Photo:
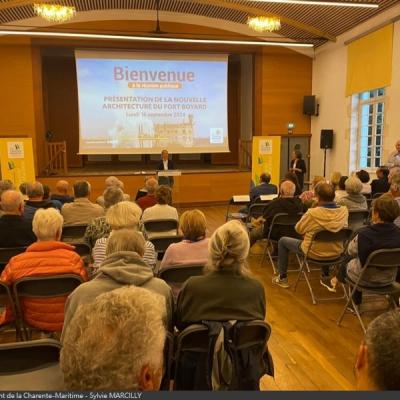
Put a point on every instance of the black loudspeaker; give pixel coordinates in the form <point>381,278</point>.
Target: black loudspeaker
<point>326,139</point>
<point>309,105</point>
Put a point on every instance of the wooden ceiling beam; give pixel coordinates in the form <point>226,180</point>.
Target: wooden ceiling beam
<point>251,10</point>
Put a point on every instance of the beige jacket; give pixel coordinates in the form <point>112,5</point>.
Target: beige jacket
<point>318,218</point>
<point>82,211</point>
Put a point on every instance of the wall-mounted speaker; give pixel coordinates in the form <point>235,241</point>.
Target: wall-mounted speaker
<point>309,105</point>
<point>326,139</point>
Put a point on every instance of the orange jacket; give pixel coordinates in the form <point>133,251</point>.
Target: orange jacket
<point>40,259</point>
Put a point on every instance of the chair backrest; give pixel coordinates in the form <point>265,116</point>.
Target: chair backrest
<point>377,195</point>
<point>168,361</point>
<point>180,273</point>
<point>327,236</point>
<point>284,219</point>
<point>256,210</point>
<point>8,252</point>
<point>82,249</point>
<point>46,286</point>
<point>384,258</point>
<point>71,232</point>
<point>358,218</point>
<point>161,243</point>
<point>28,356</point>
<point>160,225</point>
<point>6,298</point>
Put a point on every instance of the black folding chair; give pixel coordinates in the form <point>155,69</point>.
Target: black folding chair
<point>379,259</point>
<point>82,249</point>
<point>168,361</point>
<point>31,365</point>
<point>323,236</point>
<point>6,300</point>
<point>358,219</point>
<point>8,252</point>
<point>233,201</point>
<point>161,243</point>
<point>256,210</point>
<point>279,220</point>
<point>73,233</point>
<point>377,195</point>
<point>158,227</point>
<point>42,287</point>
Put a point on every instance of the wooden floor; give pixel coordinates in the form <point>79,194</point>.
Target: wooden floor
<point>310,351</point>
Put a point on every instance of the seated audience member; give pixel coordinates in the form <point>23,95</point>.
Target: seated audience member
<point>48,256</point>
<point>341,190</point>
<point>46,196</point>
<point>377,364</point>
<point>292,177</point>
<point>150,199</point>
<point>285,203</point>
<point>308,197</point>
<point>194,247</point>
<point>395,193</point>
<point>382,234</point>
<point>381,184</point>
<point>115,342</point>
<point>226,291</point>
<point>23,188</point>
<point>265,187</point>
<point>161,210</point>
<point>4,186</point>
<point>99,227</point>
<point>81,211</point>
<point>335,179</point>
<point>354,199</point>
<point>123,266</point>
<point>143,191</point>
<point>123,215</point>
<point>393,172</point>
<point>363,176</point>
<point>61,194</point>
<point>15,230</point>
<point>112,181</point>
<point>326,215</point>
<point>35,200</point>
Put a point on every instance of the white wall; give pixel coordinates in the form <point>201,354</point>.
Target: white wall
<point>329,82</point>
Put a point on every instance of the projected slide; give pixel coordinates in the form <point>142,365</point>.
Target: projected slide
<point>140,103</point>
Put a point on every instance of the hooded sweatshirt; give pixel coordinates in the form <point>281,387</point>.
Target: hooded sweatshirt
<point>329,217</point>
<point>117,270</point>
<point>354,202</point>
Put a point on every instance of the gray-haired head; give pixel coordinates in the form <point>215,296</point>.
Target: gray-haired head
<point>287,189</point>
<point>353,185</point>
<point>382,341</point>
<point>124,214</point>
<point>35,190</point>
<point>112,195</point>
<point>151,185</point>
<point>115,342</point>
<point>228,248</point>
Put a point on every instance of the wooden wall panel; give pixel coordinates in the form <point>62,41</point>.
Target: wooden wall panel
<point>282,78</point>
<point>190,189</point>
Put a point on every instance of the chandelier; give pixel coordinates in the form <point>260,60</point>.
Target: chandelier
<point>264,24</point>
<point>54,12</point>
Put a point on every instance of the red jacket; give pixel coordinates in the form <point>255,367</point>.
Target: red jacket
<point>41,259</point>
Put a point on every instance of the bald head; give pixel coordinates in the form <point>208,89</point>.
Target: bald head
<point>151,185</point>
<point>62,187</point>
<point>288,189</point>
<point>12,202</point>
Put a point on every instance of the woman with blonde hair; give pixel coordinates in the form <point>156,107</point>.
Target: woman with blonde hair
<point>193,249</point>
<point>335,178</point>
<point>226,291</point>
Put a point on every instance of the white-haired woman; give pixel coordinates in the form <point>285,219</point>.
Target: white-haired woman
<point>48,256</point>
<point>123,215</point>
<point>354,199</point>
<point>226,291</point>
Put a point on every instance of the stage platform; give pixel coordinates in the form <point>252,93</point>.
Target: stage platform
<point>196,186</point>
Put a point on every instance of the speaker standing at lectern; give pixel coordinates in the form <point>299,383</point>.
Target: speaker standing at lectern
<point>164,165</point>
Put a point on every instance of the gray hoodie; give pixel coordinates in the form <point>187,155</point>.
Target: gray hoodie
<point>117,270</point>
<point>354,202</point>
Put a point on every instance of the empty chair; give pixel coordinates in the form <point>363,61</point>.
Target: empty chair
<point>379,259</point>
<point>30,365</point>
<point>38,288</point>
<point>73,233</point>
<point>237,200</point>
<point>160,227</point>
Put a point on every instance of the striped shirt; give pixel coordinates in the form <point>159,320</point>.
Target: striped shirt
<point>99,253</point>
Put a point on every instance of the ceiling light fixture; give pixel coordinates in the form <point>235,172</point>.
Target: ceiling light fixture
<point>264,24</point>
<point>95,36</point>
<point>321,3</point>
<point>54,12</point>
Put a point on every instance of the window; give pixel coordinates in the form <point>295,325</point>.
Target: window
<point>369,110</point>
